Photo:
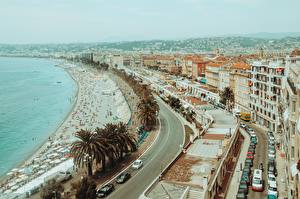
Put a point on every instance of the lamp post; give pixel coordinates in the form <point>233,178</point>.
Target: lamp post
<point>88,160</point>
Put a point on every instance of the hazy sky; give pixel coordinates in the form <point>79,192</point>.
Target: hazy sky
<point>60,21</point>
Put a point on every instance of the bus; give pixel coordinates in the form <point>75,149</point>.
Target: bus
<point>245,116</point>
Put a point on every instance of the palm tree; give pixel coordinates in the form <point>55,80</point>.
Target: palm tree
<point>148,109</point>
<point>88,148</point>
<point>227,96</point>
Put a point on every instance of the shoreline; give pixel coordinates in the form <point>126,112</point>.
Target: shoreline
<point>87,103</point>
<point>37,150</point>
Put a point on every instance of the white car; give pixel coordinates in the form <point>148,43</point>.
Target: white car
<point>271,155</point>
<point>137,164</point>
<point>272,189</point>
<point>271,179</point>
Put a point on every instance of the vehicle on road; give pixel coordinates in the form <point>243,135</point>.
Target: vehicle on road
<point>123,177</point>
<point>137,164</point>
<point>257,182</point>
<point>105,190</point>
<point>245,116</point>
<point>243,186</point>
<point>271,155</point>
<point>243,125</point>
<point>272,189</point>
<point>272,169</point>
<point>254,140</point>
<point>271,178</point>
<point>257,185</point>
<point>241,195</point>
<point>249,161</point>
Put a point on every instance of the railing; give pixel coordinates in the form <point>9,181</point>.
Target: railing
<point>292,85</point>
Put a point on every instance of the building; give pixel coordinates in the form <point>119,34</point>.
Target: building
<point>116,60</point>
<point>267,77</point>
<point>291,124</point>
<point>224,78</point>
<point>194,66</point>
<point>239,82</point>
<point>212,74</point>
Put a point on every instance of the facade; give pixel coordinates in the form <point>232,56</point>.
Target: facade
<point>212,74</point>
<point>291,125</point>
<point>194,66</point>
<point>267,77</point>
<point>239,82</point>
<point>116,60</point>
<point>224,78</point>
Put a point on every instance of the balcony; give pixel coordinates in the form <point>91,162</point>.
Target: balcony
<point>292,86</point>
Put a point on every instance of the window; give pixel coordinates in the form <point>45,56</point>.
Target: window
<point>293,106</point>
<point>293,128</point>
<point>293,152</point>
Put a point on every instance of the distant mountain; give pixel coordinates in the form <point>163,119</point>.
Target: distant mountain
<point>268,35</point>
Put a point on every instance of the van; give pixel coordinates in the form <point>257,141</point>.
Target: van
<point>257,181</point>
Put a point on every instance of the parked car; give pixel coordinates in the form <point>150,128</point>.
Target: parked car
<point>249,161</point>
<point>241,195</point>
<point>244,187</point>
<point>105,190</point>
<point>137,164</point>
<point>243,125</point>
<point>254,140</point>
<point>272,189</point>
<point>272,170</point>
<point>251,150</point>
<point>123,177</point>
<point>257,185</point>
<point>271,178</point>
<point>271,155</point>
<point>270,133</point>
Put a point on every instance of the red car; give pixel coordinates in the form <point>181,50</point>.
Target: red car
<point>249,156</point>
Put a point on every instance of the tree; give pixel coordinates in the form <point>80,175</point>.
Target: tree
<point>227,96</point>
<point>53,189</point>
<point>87,189</point>
<point>88,149</point>
<point>148,111</point>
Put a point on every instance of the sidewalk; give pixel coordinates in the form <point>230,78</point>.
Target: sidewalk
<point>235,180</point>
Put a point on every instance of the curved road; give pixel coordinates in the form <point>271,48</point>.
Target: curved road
<point>156,158</point>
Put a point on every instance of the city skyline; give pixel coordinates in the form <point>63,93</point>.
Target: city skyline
<point>101,21</point>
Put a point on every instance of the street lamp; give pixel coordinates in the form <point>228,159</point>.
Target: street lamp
<point>88,160</point>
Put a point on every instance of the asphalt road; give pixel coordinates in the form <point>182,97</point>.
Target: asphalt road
<point>156,158</point>
<point>261,156</point>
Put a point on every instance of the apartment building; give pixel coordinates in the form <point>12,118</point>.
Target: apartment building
<point>168,63</point>
<point>239,82</point>
<point>267,77</point>
<point>224,78</point>
<point>212,74</point>
<point>194,66</point>
<point>290,107</point>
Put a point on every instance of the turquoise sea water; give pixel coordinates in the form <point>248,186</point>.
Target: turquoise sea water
<point>35,96</point>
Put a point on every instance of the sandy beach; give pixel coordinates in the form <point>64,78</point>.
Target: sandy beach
<point>98,101</point>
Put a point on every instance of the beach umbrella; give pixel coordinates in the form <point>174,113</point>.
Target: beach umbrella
<point>14,170</point>
<point>15,187</point>
<point>43,167</point>
<point>10,173</point>
<point>7,191</point>
<point>19,180</point>
<point>41,172</point>
<point>35,166</point>
<point>12,184</point>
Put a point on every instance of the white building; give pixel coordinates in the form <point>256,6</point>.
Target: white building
<point>267,79</point>
<point>291,125</point>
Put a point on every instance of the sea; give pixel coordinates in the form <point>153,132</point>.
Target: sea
<point>35,97</point>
